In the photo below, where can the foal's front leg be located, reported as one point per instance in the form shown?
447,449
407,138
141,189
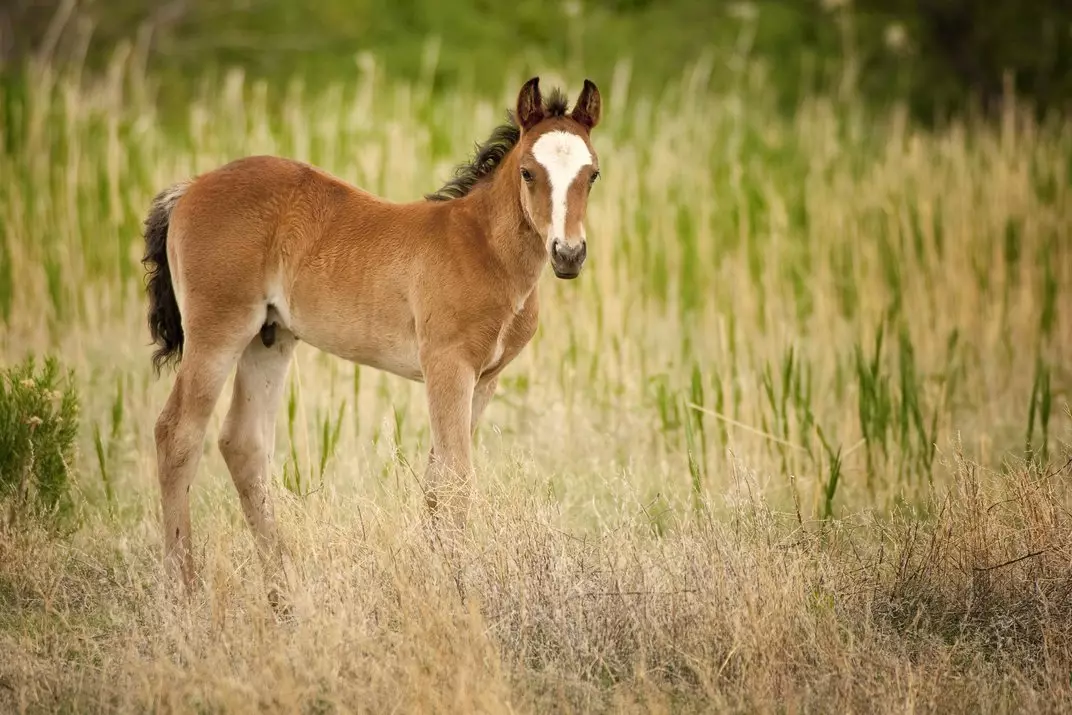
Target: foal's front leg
449,383
482,394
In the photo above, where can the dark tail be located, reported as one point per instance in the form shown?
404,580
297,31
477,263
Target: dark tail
165,324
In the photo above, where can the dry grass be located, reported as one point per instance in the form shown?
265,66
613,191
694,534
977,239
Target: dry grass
748,613
702,487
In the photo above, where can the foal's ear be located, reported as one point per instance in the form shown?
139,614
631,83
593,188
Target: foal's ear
530,104
588,107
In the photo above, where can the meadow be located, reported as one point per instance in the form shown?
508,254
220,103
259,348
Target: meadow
798,439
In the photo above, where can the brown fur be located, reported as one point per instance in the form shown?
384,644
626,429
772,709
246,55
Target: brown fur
265,250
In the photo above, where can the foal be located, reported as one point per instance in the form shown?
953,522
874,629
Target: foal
248,258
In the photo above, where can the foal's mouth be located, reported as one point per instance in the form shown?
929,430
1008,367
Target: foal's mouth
566,273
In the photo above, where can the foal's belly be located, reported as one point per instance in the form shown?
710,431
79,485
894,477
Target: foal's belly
388,349
382,337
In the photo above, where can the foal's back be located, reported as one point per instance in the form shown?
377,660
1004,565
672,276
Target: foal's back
271,204
276,240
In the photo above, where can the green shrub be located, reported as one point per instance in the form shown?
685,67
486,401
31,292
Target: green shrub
38,427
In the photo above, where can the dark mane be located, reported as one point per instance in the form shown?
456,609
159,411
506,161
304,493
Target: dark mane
556,104
487,158
490,154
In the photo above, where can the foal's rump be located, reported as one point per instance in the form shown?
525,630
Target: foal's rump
209,251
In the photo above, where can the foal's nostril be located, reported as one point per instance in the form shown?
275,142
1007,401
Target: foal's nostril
565,253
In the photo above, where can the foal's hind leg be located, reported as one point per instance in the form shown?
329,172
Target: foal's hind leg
180,434
247,442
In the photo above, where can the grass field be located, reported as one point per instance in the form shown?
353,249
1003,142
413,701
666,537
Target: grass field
797,440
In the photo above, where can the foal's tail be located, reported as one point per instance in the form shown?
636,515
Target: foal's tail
165,324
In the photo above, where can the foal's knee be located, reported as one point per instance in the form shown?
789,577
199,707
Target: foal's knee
172,451
162,431
240,448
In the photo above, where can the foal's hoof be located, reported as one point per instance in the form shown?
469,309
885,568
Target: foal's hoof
283,610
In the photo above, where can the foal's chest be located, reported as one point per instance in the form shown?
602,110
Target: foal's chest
514,334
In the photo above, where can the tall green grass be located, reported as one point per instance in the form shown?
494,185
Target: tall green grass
837,297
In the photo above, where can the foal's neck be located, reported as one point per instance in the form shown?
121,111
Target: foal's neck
519,248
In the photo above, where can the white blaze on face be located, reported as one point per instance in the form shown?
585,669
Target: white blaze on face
562,154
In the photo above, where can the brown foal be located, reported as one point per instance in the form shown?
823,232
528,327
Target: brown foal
246,259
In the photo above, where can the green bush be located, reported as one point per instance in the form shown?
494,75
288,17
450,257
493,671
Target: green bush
38,427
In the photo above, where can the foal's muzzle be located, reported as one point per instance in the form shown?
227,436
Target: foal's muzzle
566,260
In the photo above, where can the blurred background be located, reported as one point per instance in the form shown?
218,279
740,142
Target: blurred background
937,56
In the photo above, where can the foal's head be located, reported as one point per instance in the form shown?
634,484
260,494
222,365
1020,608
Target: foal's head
557,169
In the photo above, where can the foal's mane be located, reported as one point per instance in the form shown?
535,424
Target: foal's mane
490,154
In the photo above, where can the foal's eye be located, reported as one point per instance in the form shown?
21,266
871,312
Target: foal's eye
593,177
526,175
